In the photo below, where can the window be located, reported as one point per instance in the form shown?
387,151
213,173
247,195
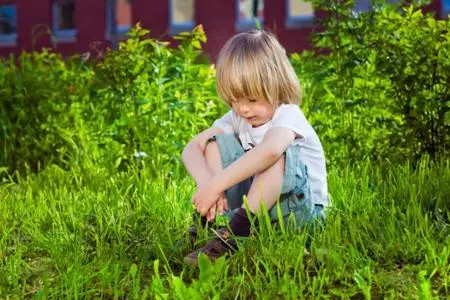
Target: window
299,13
362,6
181,16
249,14
8,25
118,18
64,27
445,11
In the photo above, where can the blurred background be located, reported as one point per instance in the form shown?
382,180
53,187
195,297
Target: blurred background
76,26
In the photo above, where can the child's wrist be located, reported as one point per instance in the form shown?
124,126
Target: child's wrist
202,181
216,185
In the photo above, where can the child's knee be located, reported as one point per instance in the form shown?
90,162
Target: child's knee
295,173
211,148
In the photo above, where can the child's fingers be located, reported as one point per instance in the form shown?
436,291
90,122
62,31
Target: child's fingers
211,213
220,206
225,203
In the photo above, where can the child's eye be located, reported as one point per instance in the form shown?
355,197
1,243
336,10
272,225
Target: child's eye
252,100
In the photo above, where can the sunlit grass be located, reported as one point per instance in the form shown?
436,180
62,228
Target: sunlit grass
67,234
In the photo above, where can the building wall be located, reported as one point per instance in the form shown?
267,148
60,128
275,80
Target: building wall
34,21
218,17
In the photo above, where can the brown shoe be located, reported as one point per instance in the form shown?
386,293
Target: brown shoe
217,247
192,232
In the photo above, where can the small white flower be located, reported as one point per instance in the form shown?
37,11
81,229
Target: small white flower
139,154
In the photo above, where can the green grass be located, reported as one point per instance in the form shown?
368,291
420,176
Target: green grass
84,235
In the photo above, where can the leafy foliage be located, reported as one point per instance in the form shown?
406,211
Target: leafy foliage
382,89
155,98
40,105
140,103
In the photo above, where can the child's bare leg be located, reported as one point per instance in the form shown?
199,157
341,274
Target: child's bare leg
212,156
266,186
214,162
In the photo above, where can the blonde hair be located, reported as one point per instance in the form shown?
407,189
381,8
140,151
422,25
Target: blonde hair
253,64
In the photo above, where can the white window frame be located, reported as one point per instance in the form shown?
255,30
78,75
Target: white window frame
246,24
61,35
9,39
297,21
175,28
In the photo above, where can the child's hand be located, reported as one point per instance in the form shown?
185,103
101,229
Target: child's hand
220,206
205,198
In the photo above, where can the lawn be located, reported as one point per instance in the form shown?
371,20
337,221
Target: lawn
67,234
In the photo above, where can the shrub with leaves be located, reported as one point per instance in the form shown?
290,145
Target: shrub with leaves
382,91
40,109
139,104
154,98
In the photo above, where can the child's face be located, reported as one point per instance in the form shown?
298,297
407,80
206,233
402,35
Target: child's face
255,111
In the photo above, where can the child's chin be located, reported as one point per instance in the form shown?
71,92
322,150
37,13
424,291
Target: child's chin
256,123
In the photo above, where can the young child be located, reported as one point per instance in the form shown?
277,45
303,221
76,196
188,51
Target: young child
263,147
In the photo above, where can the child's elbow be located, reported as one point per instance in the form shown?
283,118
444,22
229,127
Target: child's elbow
185,152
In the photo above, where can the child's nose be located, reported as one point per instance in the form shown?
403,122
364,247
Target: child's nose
243,108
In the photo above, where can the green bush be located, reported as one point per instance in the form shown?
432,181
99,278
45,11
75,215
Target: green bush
154,99
140,103
381,91
40,107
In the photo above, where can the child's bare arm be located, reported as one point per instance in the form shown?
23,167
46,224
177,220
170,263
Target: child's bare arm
257,160
193,156
253,162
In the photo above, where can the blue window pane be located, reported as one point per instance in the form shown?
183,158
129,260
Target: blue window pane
181,16
65,15
250,14
363,5
299,13
445,10
8,19
249,9
446,5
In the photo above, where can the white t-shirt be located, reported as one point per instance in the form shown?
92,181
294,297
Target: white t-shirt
286,116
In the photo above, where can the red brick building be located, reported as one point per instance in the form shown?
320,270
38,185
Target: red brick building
75,26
